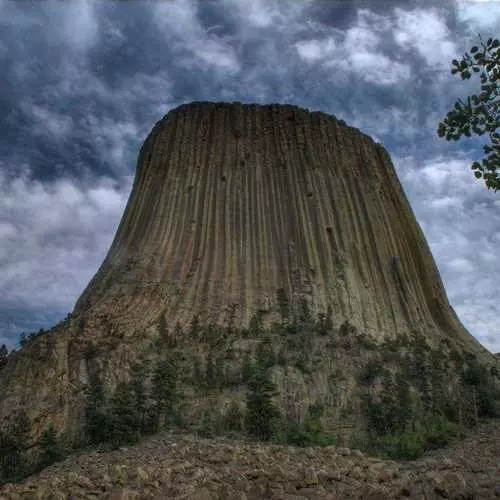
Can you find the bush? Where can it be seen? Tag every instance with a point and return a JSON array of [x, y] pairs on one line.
[[407, 445], [439, 431], [413, 443], [291, 433]]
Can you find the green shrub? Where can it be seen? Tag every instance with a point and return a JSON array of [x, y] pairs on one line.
[[439, 431], [407, 445], [413, 443]]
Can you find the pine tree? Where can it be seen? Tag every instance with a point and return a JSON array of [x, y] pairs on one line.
[[139, 374], [219, 374], [197, 375], [437, 383], [312, 422], [264, 354], [262, 416], [247, 369], [403, 407], [50, 450], [4, 354], [13, 443], [233, 417], [421, 372], [210, 371], [164, 391], [162, 329], [95, 415], [283, 304], [194, 327], [123, 416]]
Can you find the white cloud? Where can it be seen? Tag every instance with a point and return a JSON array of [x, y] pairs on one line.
[[427, 33], [54, 237], [80, 25], [50, 122], [181, 27], [461, 221], [479, 15], [357, 52], [315, 50]]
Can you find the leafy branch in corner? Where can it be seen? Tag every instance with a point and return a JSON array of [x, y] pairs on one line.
[[481, 113]]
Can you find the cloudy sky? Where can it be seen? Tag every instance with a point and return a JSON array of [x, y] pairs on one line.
[[83, 82]]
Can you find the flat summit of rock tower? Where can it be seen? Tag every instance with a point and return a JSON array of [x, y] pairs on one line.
[[245, 208]]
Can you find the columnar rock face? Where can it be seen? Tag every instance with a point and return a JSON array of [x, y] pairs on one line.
[[244, 211], [235, 206]]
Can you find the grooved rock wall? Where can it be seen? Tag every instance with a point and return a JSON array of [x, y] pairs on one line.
[[233, 202]]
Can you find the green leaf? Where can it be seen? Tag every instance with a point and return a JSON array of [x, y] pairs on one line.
[[495, 44], [454, 62], [478, 174], [454, 70], [474, 50]]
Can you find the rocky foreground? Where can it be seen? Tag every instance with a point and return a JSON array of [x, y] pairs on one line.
[[174, 465]]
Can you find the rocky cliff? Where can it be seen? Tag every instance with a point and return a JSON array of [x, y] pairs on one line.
[[233, 204], [247, 219]]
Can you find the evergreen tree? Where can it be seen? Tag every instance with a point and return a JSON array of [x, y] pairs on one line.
[[219, 375], [324, 323], [256, 324], [437, 383], [283, 305], [421, 372], [481, 389], [13, 443], [247, 369], [197, 375], [210, 372], [264, 354], [312, 422], [3, 356], [139, 374], [233, 417], [162, 329], [164, 392], [50, 449], [95, 414], [262, 416], [123, 416], [194, 327], [403, 407], [304, 313]]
